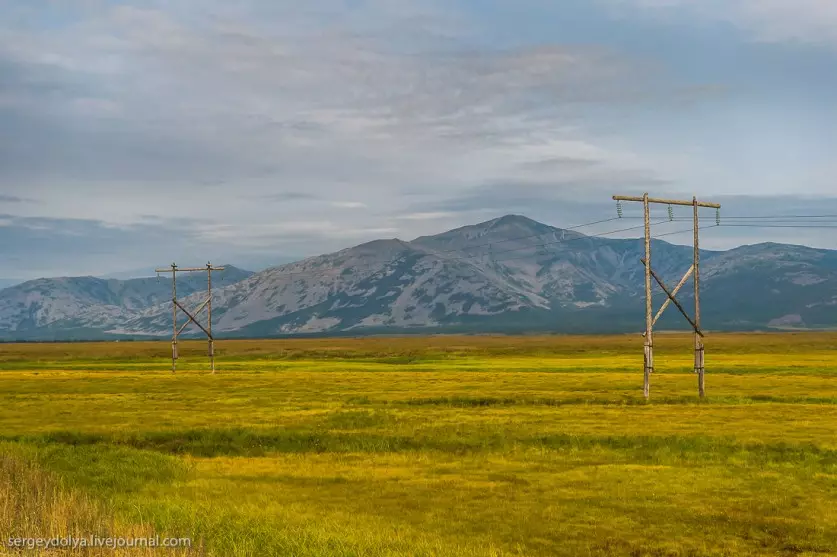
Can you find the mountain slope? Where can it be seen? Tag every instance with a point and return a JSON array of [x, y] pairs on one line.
[[89, 301], [510, 273], [773, 284], [383, 283], [511, 269]]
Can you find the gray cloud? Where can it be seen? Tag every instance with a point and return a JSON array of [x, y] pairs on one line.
[[13, 199], [138, 110], [288, 196], [36, 247], [264, 129], [812, 22]]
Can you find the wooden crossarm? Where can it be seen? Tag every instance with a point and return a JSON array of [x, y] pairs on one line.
[[666, 201]]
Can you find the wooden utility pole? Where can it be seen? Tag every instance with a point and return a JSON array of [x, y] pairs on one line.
[[174, 316], [650, 318], [649, 308], [191, 315], [209, 316], [699, 348]]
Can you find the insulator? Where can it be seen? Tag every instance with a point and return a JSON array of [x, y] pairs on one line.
[[717, 217], [619, 209], [670, 213]]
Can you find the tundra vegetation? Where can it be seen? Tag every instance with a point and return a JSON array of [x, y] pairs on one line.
[[446, 445]]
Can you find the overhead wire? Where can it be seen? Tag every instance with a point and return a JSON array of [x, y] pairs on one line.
[[814, 226], [751, 217], [544, 244], [441, 253]]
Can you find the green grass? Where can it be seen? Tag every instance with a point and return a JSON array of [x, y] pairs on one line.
[[440, 445]]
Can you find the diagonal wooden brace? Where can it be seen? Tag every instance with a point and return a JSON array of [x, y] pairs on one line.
[[197, 312], [674, 293], [195, 321], [673, 300]]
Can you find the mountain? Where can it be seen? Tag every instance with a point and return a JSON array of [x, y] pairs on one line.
[[507, 274], [50, 304]]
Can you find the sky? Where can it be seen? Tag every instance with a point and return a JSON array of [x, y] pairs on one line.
[[137, 133]]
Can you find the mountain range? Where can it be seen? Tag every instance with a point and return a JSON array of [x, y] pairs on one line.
[[510, 274]]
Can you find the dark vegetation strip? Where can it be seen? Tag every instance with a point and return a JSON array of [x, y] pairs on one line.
[[491, 402], [255, 366], [477, 402], [251, 442]]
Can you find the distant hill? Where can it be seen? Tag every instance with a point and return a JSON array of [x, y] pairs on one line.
[[52, 306], [510, 274]]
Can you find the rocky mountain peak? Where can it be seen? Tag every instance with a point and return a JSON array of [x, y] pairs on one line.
[[508, 273]]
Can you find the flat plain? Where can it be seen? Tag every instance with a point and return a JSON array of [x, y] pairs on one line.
[[436, 445]]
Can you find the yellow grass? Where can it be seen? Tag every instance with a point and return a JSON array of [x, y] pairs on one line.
[[429, 446], [36, 505]]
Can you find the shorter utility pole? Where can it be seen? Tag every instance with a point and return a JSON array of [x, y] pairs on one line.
[[650, 319], [191, 315]]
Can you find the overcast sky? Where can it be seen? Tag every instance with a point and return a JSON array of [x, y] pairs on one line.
[[134, 133]]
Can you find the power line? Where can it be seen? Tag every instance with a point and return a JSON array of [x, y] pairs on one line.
[[493, 254], [751, 217], [685, 230], [782, 217], [544, 244], [585, 237], [813, 226]]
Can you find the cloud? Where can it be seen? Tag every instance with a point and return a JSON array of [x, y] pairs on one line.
[[287, 196], [13, 199], [235, 125], [812, 22], [430, 216], [142, 109]]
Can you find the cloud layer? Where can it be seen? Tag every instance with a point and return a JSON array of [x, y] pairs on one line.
[[812, 22], [267, 129]]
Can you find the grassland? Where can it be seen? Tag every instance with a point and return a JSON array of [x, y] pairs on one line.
[[427, 446]]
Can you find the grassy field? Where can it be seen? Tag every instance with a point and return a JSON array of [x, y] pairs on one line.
[[426, 446]]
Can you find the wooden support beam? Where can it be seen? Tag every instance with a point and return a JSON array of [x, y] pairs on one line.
[[674, 293], [195, 321], [197, 312], [699, 348], [672, 298], [649, 307], [174, 317], [665, 201], [188, 269], [210, 340]]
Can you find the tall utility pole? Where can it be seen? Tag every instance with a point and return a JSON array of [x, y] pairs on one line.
[[191, 315], [649, 307], [650, 319], [700, 368]]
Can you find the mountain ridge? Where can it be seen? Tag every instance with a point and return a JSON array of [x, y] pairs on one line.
[[510, 272]]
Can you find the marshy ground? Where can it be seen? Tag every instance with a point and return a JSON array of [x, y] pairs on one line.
[[427, 445]]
